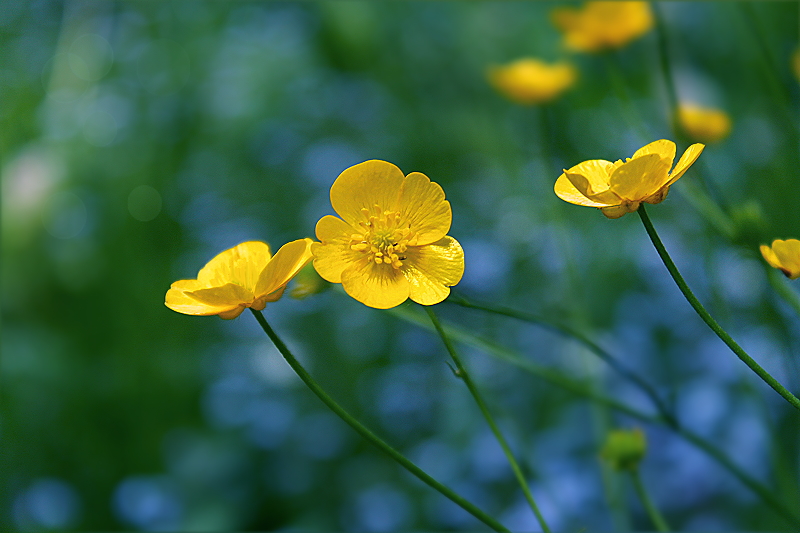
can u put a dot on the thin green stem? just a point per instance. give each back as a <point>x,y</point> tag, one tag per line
<point>580,388</point>
<point>647,502</point>
<point>462,373</point>
<point>369,435</point>
<point>567,332</point>
<point>707,318</point>
<point>784,291</point>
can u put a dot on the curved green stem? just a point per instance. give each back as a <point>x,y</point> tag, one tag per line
<point>462,373</point>
<point>581,389</point>
<point>647,502</point>
<point>593,347</point>
<point>707,318</point>
<point>369,435</point>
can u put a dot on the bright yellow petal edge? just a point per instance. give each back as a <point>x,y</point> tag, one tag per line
<point>240,277</point>
<point>783,255</point>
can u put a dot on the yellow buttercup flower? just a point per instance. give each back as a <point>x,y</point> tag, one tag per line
<point>783,255</point>
<point>703,123</point>
<point>243,276</point>
<point>603,25</point>
<point>531,81</point>
<point>391,241</point>
<point>618,188</point>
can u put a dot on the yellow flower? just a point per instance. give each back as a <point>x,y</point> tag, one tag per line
<point>704,124</point>
<point>603,25</point>
<point>391,241</point>
<point>618,188</point>
<point>530,81</point>
<point>796,63</point>
<point>243,276</point>
<point>783,255</point>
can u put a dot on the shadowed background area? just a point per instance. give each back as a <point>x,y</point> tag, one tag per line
<point>140,139</point>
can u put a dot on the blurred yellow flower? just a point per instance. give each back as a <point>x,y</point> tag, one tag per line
<point>243,276</point>
<point>530,81</point>
<point>796,63</point>
<point>603,25</point>
<point>618,188</point>
<point>783,255</point>
<point>703,123</point>
<point>391,241</point>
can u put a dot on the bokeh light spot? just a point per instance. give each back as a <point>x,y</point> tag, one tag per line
<point>90,57</point>
<point>100,128</point>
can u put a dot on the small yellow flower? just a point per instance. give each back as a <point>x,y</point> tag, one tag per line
<point>530,81</point>
<point>704,124</point>
<point>618,188</point>
<point>391,241</point>
<point>796,63</point>
<point>603,25</point>
<point>784,255</point>
<point>624,448</point>
<point>243,276</point>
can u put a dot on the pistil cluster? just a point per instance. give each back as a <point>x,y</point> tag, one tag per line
<point>383,237</point>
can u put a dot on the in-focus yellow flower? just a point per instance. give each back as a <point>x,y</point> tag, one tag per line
<point>703,123</point>
<point>243,276</point>
<point>391,241</point>
<point>530,81</point>
<point>784,255</point>
<point>603,25</point>
<point>618,188</point>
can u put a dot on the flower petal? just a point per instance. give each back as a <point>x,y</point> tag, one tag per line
<point>687,159</point>
<point>663,147</point>
<point>333,254</point>
<point>179,301</point>
<point>565,190</point>
<point>431,270</point>
<point>363,186</point>
<point>227,295</point>
<point>590,177</point>
<point>787,256</point>
<point>283,266</point>
<point>241,265</point>
<point>640,177</point>
<point>422,205</point>
<point>378,286</point>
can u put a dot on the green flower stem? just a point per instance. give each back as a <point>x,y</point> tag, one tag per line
<point>369,435</point>
<point>567,332</point>
<point>647,502</point>
<point>462,373</point>
<point>707,318</point>
<point>580,388</point>
<point>779,285</point>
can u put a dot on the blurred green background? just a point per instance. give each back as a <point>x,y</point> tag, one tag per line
<point>142,138</point>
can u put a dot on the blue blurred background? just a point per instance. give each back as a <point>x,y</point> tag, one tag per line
<point>142,138</point>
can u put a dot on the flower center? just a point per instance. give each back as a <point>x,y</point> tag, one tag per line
<point>384,237</point>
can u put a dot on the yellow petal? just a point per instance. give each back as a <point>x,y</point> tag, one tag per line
<point>378,286</point>
<point>422,205</point>
<point>687,159</point>
<point>590,177</point>
<point>233,313</point>
<point>241,264</point>
<point>333,254</point>
<point>431,270</point>
<point>365,185</point>
<point>787,256</point>
<point>640,177</point>
<point>665,148</point>
<point>179,301</point>
<point>618,211</point>
<point>226,295</point>
<point>769,256</point>
<point>187,285</point>
<point>283,266</point>
<point>565,190</point>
